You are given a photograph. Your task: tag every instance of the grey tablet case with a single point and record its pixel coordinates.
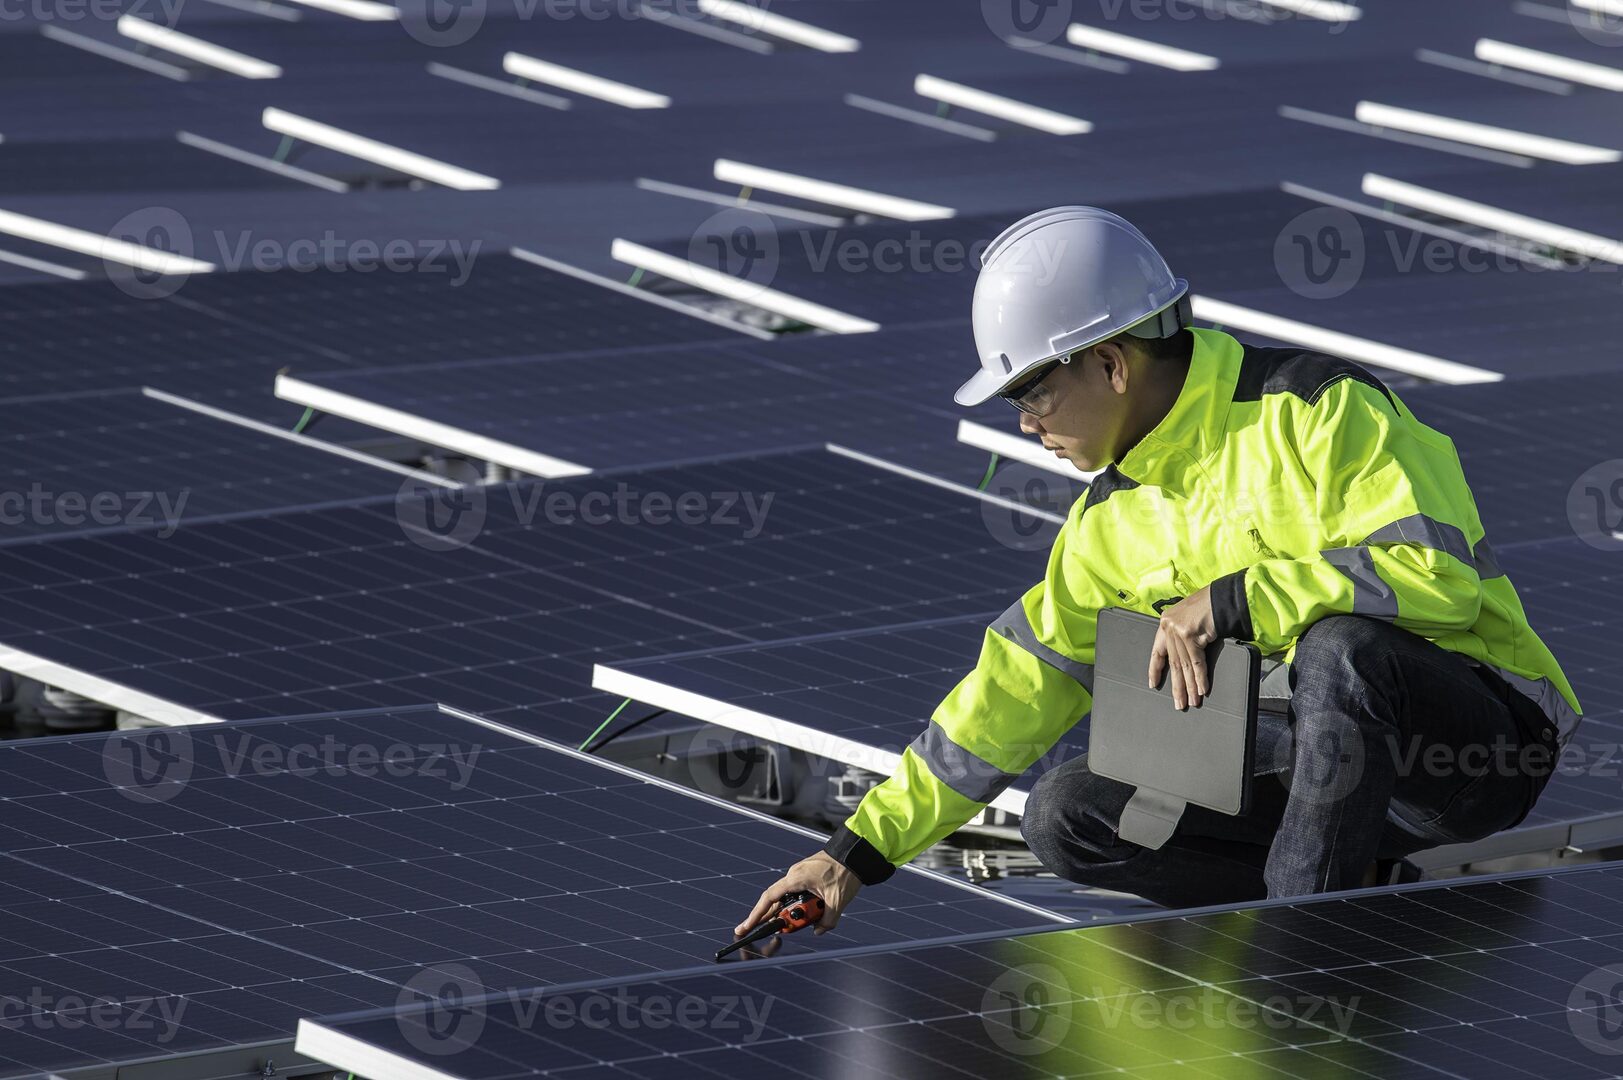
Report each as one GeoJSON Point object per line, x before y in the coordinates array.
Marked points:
{"type": "Point", "coordinates": [1137, 736]}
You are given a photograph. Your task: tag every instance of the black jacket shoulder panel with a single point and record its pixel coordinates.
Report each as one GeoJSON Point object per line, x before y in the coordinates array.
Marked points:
{"type": "Point", "coordinates": [1298, 371]}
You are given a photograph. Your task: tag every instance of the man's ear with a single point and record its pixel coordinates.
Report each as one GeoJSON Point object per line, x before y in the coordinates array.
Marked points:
{"type": "Point", "coordinates": [1113, 364]}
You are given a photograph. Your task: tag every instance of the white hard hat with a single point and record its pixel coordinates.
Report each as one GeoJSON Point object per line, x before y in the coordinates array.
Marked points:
{"type": "Point", "coordinates": [1062, 280]}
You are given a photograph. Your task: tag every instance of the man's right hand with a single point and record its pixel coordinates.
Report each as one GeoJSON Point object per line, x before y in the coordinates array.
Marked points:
{"type": "Point", "coordinates": [820, 874]}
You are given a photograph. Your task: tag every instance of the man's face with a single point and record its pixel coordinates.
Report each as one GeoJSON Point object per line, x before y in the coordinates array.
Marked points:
{"type": "Point", "coordinates": [1089, 411]}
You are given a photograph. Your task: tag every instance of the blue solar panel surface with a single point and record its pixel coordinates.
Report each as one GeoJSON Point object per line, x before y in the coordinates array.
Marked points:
{"type": "Point", "coordinates": [119, 459]}
{"type": "Point", "coordinates": [327, 609]}
{"type": "Point", "coordinates": [1497, 977]}
{"type": "Point", "coordinates": [874, 392]}
{"type": "Point", "coordinates": [227, 335]}
{"type": "Point", "coordinates": [1402, 289]}
{"type": "Point", "coordinates": [232, 879]}
{"type": "Point", "coordinates": [873, 687]}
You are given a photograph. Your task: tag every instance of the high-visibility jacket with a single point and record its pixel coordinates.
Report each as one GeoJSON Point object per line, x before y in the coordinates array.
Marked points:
{"type": "Point", "coordinates": [1296, 485]}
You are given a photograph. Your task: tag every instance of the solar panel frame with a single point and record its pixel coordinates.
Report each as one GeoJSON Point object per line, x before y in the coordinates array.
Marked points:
{"type": "Point", "coordinates": [272, 879]}
{"type": "Point", "coordinates": [951, 1006]}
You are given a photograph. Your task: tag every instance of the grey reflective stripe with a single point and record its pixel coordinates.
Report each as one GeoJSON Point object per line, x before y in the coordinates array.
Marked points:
{"type": "Point", "coordinates": [1371, 595]}
{"type": "Point", "coordinates": [975, 778]}
{"type": "Point", "coordinates": [1014, 626]}
{"type": "Point", "coordinates": [1420, 529]}
{"type": "Point", "coordinates": [1548, 699]}
{"type": "Point", "coordinates": [1439, 536]}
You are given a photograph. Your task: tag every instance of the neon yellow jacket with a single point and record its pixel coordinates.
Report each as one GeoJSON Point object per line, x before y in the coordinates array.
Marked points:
{"type": "Point", "coordinates": [1298, 486]}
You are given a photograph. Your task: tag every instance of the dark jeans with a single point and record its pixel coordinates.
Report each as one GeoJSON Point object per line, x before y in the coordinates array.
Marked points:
{"type": "Point", "coordinates": [1392, 745]}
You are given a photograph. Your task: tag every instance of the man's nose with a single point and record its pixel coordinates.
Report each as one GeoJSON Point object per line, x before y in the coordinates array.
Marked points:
{"type": "Point", "coordinates": [1030, 424]}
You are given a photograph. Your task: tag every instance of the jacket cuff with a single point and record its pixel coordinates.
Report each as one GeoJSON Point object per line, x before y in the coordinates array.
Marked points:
{"type": "Point", "coordinates": [1231, 614]}
{"type": "Point", "coordinates": [858, 856]}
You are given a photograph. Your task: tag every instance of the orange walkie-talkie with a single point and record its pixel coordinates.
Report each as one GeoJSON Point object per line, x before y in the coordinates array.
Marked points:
{"type": "Point", "coordinates": [795, 910]}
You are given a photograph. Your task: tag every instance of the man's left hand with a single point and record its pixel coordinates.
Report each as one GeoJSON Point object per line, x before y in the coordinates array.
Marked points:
{"type": "Point", "coordinates": [1180, 646]}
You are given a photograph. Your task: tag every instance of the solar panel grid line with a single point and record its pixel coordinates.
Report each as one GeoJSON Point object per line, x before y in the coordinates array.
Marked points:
{"type": "Point", "coordinates": [343, 599]}
{"type": "Point", "coordinates": [344, 873]}
{"type": "Point", "coordinates": [736, 807]}
{"type": "Point", "coordinates": [1308, 945]}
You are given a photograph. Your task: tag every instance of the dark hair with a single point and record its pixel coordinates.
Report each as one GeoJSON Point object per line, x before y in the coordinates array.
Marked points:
{"type": "Point", "coordinates": [1174, 349]}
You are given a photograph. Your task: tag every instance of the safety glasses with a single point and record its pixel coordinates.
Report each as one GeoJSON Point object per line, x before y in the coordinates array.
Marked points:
{"type": "Point", "coordinates": [1031, 396]}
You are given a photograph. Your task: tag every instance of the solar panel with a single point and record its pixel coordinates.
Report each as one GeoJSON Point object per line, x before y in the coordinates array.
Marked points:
{"type": "Point", "coordinates": [1240, 248]}
{"type": "Point", "coordinates": [227, 334]}
{"type": "Point", "coordinates": [330, 608]}
{"type": "Point", "coordinates": [857, 698]}
{"type": "Point", "coordinates": [119, 459]}
{"type": "Point", "coordinates": [860, 696]}
{"type": "Point", "coordinates": [1504, 975]}
{"type": "Point", "coordinates": [84, 166]}
{"type": "Point", "coordinates": [639, 407]}
{"type": "Point", "coordinates": [220, 882]}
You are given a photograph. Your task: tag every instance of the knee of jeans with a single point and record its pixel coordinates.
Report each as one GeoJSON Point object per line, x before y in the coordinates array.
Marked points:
{"type": "Point", "coordinates": [1072, 811]}
{"type": "Point", "coordinates": [1334, 646]}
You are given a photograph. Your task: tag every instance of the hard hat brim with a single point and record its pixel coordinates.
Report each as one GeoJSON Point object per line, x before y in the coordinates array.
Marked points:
{"type": "Point", "coordinates": [983, 386]}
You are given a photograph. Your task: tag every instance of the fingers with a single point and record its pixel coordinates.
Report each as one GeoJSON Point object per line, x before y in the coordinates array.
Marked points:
{"type": "Point", "coordinates": [1158, 658]}
{"type": "Point", "coordinates": [1182, 654]}
{"type": "Point", "coordinates": [762, 907]}
{"type": "Point", "coordinates": [830, 919]}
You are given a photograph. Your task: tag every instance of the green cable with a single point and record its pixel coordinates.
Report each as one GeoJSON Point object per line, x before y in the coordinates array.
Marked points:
{"type": "Point", "coordinates": [991, 467]}
{"type": "Point", "coordinates": [604, 724]}
{"type": "Point", "coordinates": [303, 420]}
{"type": "Point", "coordinates": [635, 277]}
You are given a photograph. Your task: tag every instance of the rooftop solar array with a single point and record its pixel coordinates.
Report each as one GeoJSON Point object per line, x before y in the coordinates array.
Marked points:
{"type": "Point", "coordinates": [868, 391]}
{"type": "Point", "coordinates": [122, 459]}
{"type": "Point", "coordinates": [456, 226]}
{"type": "Point", "coordinates": [504, 608]}
{"type": "Point", "coordinates": [1502, 976]}
{"type": "Point", "coordinates": [228, 880]}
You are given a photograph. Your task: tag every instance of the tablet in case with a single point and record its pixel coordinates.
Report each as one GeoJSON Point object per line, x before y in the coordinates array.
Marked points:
{"type": "Point", "coordinates": [1201, 755]}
